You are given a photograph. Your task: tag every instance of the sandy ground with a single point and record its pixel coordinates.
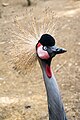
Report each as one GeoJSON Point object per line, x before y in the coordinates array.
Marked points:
{"type": "Point", "coordinates": [23, 97]}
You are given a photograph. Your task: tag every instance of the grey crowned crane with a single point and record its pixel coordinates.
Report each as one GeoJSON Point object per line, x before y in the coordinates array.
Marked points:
{"type": "Point", "coordinates": [46, 50]}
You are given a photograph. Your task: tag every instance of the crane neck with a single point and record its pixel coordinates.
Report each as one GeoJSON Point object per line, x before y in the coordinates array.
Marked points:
{"type": "Point", "coordinates": [46, 67]}
{"type": "Point", "coordinates": [55, 105]}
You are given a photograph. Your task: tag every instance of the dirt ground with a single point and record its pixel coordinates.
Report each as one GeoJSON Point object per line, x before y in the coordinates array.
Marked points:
{"type": "Point", "coordinates": [23, 97]}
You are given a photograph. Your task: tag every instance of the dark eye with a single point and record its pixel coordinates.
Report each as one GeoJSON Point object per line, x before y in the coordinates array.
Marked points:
{"type": "Point", "coordinates": [44, 48]}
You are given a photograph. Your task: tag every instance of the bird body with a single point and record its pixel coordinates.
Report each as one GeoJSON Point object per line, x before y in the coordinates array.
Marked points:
{"type": "Point", "coordinates": [55, 105]}
{"type": "Point", "coordinates": [25, 55]}
{"type": "Point", "coordinates": [44, 52]}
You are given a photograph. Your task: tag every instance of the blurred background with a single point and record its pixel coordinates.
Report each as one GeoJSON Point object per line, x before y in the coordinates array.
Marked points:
{"type": "Point", "coordinates": [22, 94]}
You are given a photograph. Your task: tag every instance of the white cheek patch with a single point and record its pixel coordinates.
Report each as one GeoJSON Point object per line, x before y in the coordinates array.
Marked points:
{"type": "Point", "coordinates": [42, 53]}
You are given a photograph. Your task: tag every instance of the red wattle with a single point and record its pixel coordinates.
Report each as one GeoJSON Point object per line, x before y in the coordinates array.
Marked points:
{"type": "Point", "coordinates": [48, 71]}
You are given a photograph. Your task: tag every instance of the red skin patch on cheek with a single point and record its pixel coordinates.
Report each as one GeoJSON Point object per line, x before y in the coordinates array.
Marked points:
{"type": "Point", "coordinates": [39, 44]}
{"type": "Point", "coordinates": [42, 53]}
{"type": "Point", "coordinates": [48, 71]}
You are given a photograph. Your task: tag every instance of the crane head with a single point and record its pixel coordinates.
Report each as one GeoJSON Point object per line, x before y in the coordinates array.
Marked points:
{"type": "Point", "coordinates": [46, 47]}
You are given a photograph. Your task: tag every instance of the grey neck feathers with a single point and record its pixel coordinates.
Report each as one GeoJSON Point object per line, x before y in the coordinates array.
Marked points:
{"type": "Point", "coordinates": [55, 105]}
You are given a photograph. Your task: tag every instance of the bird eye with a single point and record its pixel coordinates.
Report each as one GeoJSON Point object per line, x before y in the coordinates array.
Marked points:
{"type": "Point", "coordinates": [44, 48]}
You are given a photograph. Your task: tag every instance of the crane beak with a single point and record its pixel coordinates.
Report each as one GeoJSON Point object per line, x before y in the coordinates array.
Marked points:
{"type": "Point", "coordinates": [56, 50]}
{"type": "Point", "coordinates": [59, 50]}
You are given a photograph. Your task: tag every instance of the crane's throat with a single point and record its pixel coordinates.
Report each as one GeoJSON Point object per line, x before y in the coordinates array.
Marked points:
{"type": "Point", "coordinates": [48, 71]}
